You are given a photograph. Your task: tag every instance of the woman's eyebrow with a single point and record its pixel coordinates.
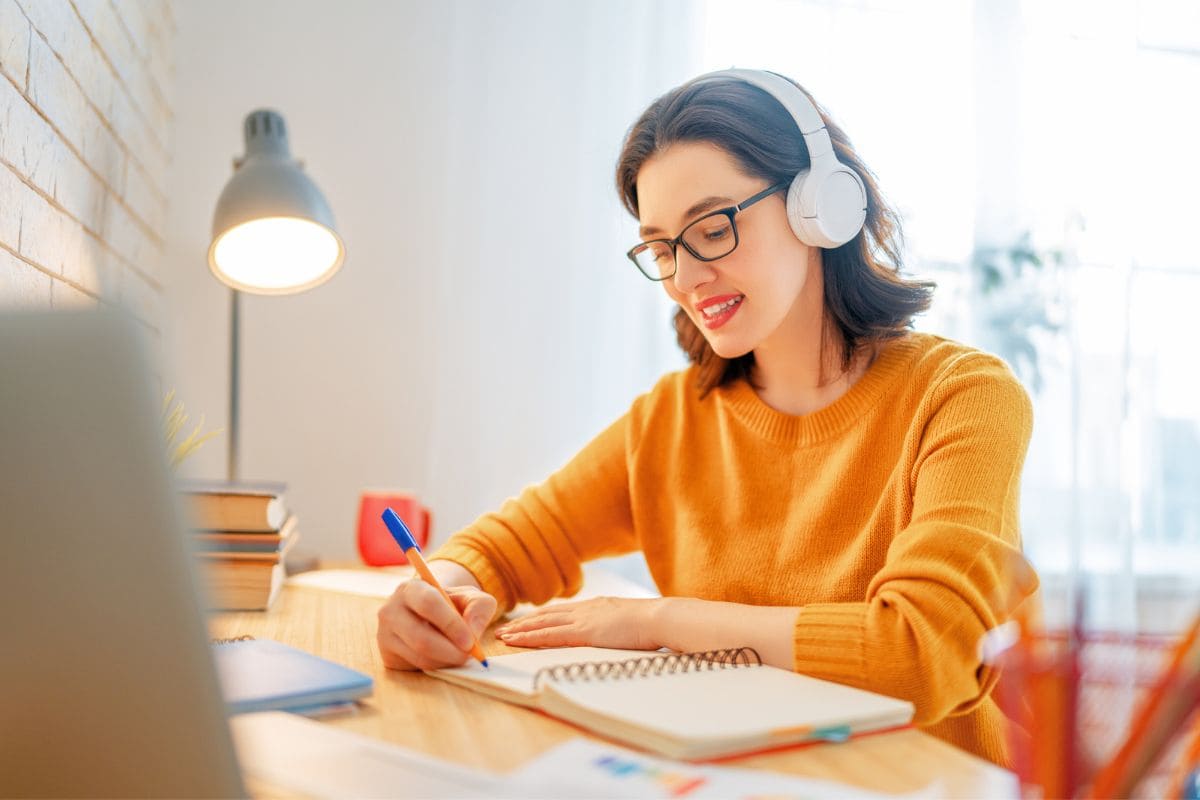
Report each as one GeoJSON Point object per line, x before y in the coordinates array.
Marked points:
{"type": "Point", "coordinates": [696, 208]}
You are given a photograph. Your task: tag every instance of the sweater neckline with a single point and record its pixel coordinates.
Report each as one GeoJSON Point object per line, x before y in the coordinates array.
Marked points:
{"type": "Point", "coordinates": [892, 361]}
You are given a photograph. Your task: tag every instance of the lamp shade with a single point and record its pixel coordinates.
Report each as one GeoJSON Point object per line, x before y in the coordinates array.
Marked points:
{"type": "Point", "coordinates": [273, 232]}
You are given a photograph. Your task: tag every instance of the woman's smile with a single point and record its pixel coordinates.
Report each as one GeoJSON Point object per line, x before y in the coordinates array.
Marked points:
{"type": "Point", "coordinates": [716, 311]}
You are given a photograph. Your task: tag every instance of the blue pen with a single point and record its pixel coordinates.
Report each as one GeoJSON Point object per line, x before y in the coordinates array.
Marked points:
{"type": "Point", "coordinates": [408, 544]}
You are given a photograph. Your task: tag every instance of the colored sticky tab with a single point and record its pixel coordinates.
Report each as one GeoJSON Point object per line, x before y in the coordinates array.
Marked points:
{"type": "Point", "coordinates": [835, 733]}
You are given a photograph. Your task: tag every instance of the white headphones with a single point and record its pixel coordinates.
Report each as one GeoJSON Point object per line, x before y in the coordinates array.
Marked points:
{"type": "Point", "coordinates": [826, 203]}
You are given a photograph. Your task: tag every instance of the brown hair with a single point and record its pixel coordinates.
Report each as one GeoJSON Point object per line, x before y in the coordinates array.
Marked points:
{"type": "Point", "coordinates": [865, 296]}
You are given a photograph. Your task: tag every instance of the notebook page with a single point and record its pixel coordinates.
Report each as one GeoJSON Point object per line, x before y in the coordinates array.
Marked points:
{"type": "Point", "coordinates": [733, 702]}
{"type": "Point", "coordinates": [379, 583]}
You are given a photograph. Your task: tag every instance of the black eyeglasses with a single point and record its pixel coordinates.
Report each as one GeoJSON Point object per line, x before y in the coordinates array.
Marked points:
{"type": "Point", "coordinates": [708, 238]}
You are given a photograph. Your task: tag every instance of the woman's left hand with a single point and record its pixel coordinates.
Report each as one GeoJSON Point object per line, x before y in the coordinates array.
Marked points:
{"type": "Point", "coordinates": [617, 622]}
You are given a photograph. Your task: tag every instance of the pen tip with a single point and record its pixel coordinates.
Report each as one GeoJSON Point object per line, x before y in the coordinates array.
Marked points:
{"type": "Point", "coordinates": [485, 664]}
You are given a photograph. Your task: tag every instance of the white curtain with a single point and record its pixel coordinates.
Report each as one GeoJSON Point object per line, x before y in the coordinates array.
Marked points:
{"type": "Point", "coordinates": [549, 332]}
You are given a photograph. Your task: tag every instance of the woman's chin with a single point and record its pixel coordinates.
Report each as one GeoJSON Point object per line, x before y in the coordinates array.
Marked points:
{"type": "Point", "coordinates": [727, 349]}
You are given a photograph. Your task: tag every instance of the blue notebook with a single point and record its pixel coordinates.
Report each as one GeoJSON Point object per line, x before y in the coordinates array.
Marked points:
{"type": "Point", "coordinates": [265, 675]}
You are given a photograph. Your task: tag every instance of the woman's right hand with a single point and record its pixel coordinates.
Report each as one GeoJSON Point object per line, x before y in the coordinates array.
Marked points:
{"type": "Point", "coordinates": [418, 629]}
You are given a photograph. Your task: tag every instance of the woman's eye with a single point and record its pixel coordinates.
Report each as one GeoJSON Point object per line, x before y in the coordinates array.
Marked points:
{"type": "Point", "coordinates": [717, 232]}
{"type": "Point", "coordinates": [656, 253]}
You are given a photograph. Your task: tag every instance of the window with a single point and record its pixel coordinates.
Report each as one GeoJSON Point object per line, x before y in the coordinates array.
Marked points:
{"type": "Point", "coordinates": [1073, 123]}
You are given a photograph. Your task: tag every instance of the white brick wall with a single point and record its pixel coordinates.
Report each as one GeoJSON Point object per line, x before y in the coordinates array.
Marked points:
{"type": "Point", "coordinates": [85, 132]}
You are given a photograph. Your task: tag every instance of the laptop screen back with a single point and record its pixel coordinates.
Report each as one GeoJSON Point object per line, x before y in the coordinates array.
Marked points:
{"type": "Point", "coordinates": [106, 680]}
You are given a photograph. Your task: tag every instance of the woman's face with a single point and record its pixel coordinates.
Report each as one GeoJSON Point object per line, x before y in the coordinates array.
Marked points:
{"type": "Point", "coordinates": [742, 299]}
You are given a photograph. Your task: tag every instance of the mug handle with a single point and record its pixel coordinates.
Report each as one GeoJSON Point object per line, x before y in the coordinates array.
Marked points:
{"type": "Point", "coordinates": [428, 525]}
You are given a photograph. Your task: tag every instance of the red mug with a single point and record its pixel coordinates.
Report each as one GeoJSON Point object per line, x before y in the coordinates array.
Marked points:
{"type": "Point", "coordinates": [375, 542]}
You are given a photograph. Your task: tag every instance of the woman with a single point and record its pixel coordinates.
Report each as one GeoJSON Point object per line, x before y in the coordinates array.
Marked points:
{"type": "Point", "coordinates": [821, 484]}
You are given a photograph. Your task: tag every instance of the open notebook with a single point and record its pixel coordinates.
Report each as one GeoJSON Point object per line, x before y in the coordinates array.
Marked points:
{"type": "Point", "coordinates": [682, 705]}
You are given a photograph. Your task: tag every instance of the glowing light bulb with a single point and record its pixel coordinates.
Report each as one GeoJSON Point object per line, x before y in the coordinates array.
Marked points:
{"type": "Point", "coordinates": [276, 255]}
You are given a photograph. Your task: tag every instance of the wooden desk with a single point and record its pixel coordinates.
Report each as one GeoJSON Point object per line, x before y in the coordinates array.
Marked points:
{"type": "Point", "coordinates": [446, 721]}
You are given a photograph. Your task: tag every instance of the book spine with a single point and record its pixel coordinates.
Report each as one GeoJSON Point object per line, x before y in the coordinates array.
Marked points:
{"type": "Point", "coordinates": [236, 513]}
{"type": "Point", "coordinates": [238, 586]}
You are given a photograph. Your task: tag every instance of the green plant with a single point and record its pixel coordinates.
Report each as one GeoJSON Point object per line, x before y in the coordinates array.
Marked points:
{"type": "Point", "coordinates": [174, 417]}
{"type": "Point", "coordinates": [1016, 302]}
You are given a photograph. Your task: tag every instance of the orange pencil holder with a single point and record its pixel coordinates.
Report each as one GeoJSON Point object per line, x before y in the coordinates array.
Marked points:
{"type": "Point", "coordinates": [1072, 697]}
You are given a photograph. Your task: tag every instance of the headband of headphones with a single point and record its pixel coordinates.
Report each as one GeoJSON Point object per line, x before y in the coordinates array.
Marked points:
{"type": "Point", "coordinates": [812, 127]}
{"type": "Point", "coordinates": [826, 203]}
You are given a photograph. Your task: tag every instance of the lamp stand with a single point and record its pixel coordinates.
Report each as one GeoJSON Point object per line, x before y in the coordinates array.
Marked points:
{"type": "Point", "coordinates": [234, 331]}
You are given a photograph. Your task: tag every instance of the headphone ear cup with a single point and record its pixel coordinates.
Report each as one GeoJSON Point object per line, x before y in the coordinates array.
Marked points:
{"type": "Point", "coordinates": [827, 208]}
{"type": "Point", "coordinates": [795, 209]}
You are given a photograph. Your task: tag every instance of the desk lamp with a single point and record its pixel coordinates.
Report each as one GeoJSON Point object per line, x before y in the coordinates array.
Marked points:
{"type": "Point", "coordinates": [272, 233]}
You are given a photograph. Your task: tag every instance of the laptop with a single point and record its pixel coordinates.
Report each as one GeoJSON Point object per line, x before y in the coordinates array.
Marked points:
{"type": "Point", "coordinates": [107, 685]}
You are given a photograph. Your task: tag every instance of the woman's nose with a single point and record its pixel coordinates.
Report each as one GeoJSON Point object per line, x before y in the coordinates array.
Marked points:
{"type": "Point", "coordinates": [690, 272]}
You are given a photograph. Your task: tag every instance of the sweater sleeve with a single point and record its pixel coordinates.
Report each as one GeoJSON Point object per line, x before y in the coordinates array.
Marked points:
{"type": "Point", "coordinates": [532, 549]}
{"type": "Point", "coordinates": [955, 571]}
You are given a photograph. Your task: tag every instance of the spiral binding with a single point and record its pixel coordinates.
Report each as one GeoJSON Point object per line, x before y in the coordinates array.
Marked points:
{"type": "Point", "coordinates": [232, 639]}
{"type": "Point", "coordinates": [657, 664]}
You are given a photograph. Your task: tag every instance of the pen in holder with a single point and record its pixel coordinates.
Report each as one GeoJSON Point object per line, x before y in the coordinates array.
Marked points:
{"type": "Point", "coordinates": [1096, 713]}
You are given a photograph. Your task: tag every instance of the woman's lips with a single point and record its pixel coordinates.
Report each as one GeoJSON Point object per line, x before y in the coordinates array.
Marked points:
{"type": "Point", "coordinates": [725, 307]}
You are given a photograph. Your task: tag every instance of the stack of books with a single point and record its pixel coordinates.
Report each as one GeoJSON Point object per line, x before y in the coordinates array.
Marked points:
{"type": "Point", "coordinates": [242, 532]}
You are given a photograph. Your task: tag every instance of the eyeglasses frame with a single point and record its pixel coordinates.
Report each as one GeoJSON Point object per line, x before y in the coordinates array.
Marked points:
{"type": "Point", "coordinates": [728, 211]}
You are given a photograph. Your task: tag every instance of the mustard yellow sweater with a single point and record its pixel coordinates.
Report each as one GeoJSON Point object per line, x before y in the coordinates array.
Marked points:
{"type": "Point", "coordinates": [888, 518]}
